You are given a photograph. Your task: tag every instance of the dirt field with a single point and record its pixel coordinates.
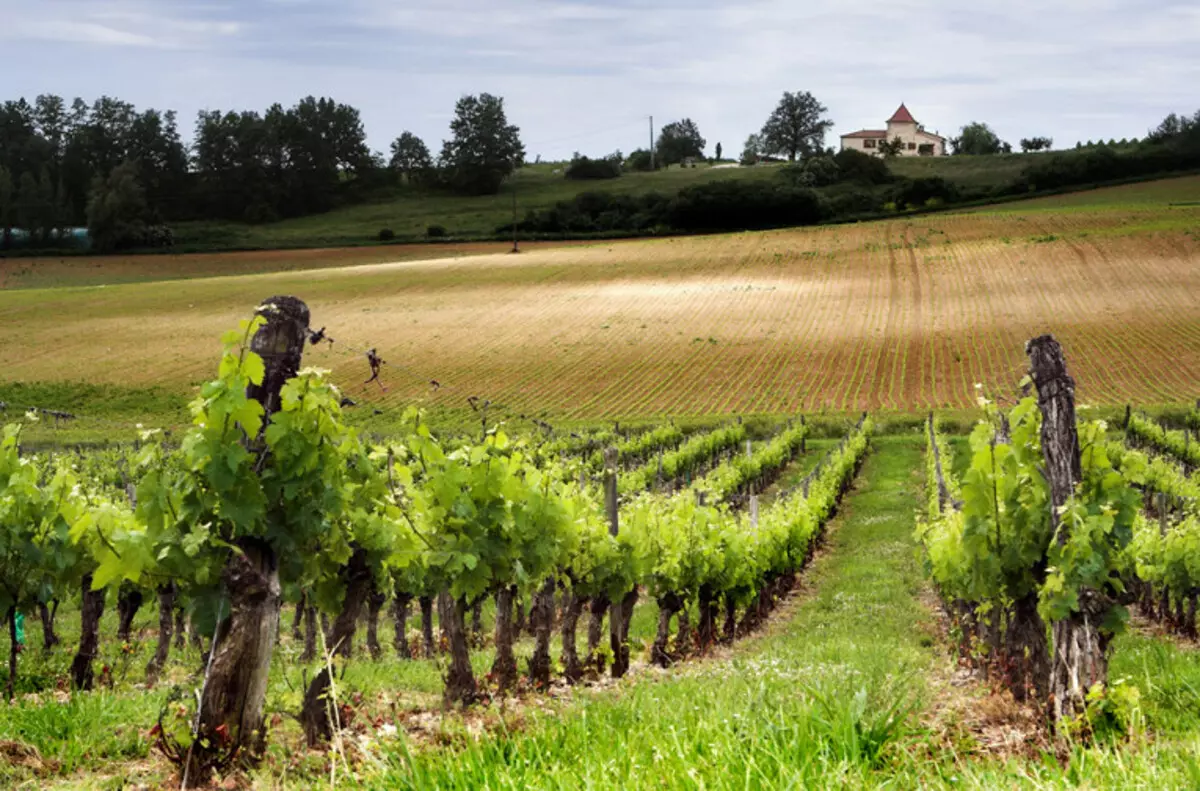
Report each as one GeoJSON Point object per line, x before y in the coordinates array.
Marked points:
{"type": "Point", "coordinates": [902, 315]}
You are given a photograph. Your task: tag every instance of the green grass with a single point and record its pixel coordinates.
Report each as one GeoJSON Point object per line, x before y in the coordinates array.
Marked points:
{"type": "Point", "coordinates": [411, 212]}
{"type": "Point", "coordinates": [969, 172]}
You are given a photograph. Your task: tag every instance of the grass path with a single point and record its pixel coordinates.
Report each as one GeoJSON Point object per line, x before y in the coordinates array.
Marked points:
{"type": "Point", "coordinates": [814, 702]}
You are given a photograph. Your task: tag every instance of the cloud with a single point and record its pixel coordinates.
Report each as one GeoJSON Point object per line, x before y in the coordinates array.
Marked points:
{"type": "Point", "coordinates": [587, 74]}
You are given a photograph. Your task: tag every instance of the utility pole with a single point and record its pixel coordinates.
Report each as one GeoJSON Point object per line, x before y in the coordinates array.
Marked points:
{"type": "Point", "coordinates": [515, 249]}
{"type": "Point", "coordinates": [652, 142]}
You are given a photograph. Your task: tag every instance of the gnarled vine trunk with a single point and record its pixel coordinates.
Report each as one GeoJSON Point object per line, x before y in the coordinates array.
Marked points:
{"type": "Point", "coordinates": [50, 638]}
{"type": "Point", "coordinates": [668, 605]}
{"type": "Point", "coordinates": [730, 629]}
{"type": "Point", "coordinates": [310, 634]}
{"type": "Point", "coordinates": [477, 621]}
{"type": "Point", "coordinates": [400, 616]}
{"type": "Point", "coordinates": [460, 680]}
{"type": "Point", "coordinates": [375, 602]}
{"type": "Point", "coordinates": [572, 607]}
{"type": "Point", "coordinates": [1079, 657]}
{"type": "Point", "coordinates": [92, 608]}
{"type": "Point", "coordinates": [318, 717]}
{"type": "Point", "coordinates": [599, 606]}
{"type": "Point", "coordinates": [542, 618]}
{"type": "Point", "coordinates": [683, 639]}
{"type": "Point", "coordinates": [1026, 649]}
{"type": "Point", "coordinates": [298, 621]}
{"type": "Point", "coordinates": [232, 705]}
{"type": "Point", "coordinates": [426, 604]}
{"type": "Point", "coordinates": [618, 625]}
{"type": "Point", "coordinates": [504, 666]}
{"type": "Point", "coordinates": [129, 601]}
{"type": "Point", "coordinates": [166, 617]}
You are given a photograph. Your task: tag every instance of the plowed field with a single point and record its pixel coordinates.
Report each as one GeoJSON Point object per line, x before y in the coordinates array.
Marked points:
{"type": "Point", "coordinates": [904, 314]}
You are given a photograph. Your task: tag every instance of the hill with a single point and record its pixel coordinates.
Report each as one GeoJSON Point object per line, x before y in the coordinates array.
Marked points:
{"type": "Point", "coordinates": [905, 314]}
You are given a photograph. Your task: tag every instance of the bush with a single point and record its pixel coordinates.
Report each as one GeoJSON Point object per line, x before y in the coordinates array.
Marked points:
{"type": "Point", "coordinates": [917, 193]}
{"type": "Point", "coordinates": [744, 205]}
{"type": "Point", "coordinates": [387, 235]}
{"type": "Point", "coordinates": [639, 161]}
{"type": "Point", "coordinates": [812, 172]}
{"type": "Point", "coordinates": [583, 169]}
{"type": "Point", "coordinates": [435, 231]}
{"type": "Point", "coordinates": [862, 168]}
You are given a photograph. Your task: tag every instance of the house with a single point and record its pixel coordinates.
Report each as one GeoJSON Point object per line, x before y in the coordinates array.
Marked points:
{"type": "Point", "coordinates": [915, 141]}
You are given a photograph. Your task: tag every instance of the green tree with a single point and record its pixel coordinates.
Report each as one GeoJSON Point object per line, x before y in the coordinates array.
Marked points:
{"type": "Point", "coordinates": [1036, 144]}
{"type": "Point", "coordinates": [35, 206]}
{"type": "Point", "coordinates": [640, 160]}
{"type": "Point", "coordinates": [797, 127]}
{"type": "Point", "coordinates": [679, 140]}
{"type": "Point", "coordinates": [117, 210]}
{"type": "Point", "coordinates": [485, 148]}
{"type": "Point", "coordinates": [752, 150]}
{"type": "Point", "coordinates": [977, 139]}
{"type": "Point", "coordinates": [410, 156]}
{"type": "Point", "coordinates": [7, 208]}
{"type": "Point", "coordinates": [717, 153]}
{"type": "Point", "coordinates": [890, 149]}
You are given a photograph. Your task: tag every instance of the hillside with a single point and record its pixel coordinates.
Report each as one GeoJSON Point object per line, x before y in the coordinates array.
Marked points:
{"type": "Point", "coordinates": [410, 212]}
{"type": "Point", "coordinates": [905, 314]}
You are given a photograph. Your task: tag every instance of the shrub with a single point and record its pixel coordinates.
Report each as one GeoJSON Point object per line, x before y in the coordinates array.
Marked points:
{"type": "Point", "coordinates": [917, 193]}
{"type": "Point", "coordinates": [639, 160]}
{"type": "Point", "coordinates": [387, 235]}
{"type": "Point", "coordinates": [435, 231]}
{"type": "Point", "coordinates": [862, 168]}
{"type": "Point", "coordinates": [583, 169]}
{"type": "Point", "coordinates": [744, 205]}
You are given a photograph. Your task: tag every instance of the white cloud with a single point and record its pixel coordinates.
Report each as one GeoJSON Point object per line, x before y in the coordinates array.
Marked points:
{"type": "Point", "coordinates": [586, 74]}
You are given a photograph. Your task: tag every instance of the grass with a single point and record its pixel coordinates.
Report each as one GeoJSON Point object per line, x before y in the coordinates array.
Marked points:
{"type": "Point", "coordinates": [844, 688]}
{"type": "Point", "coordinates": [411, 212]}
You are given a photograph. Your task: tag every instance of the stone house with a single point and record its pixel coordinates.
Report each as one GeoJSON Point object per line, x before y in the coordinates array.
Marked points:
{"type": "Point", "coordinates": [915, 141]}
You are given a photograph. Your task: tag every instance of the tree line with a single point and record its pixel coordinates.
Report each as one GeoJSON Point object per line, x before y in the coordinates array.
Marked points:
{"type": "Point", "coordinates": [124, 172]}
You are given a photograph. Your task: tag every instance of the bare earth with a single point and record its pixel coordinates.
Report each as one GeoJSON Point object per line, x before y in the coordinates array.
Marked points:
{"type": "Point", "coordinates": [903, 314]}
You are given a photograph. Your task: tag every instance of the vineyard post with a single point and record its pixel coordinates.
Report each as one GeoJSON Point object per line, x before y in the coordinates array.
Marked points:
{"type": "Point", "coordinates": [232, 705]}
{"type": "Point", "coordinates": [1078, 660]}
{"type": "Point", "coordinates": [804, 436]}
{"type": "Point", "coordinates": [749, 452]}
{"type": "Point", "coordinates": [619, 611]}
{"type": "Point", "coordinates": [754, 511]}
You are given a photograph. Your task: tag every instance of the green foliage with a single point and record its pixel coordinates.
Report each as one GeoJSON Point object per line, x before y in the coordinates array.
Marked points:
{"type": "Point", "coordinates": [977, 139]}
{"type": "Point", "coordinates": [737, 475]}
{"type": "Point", "coordinates": [582, 168]}
{"type": "Point", "coordinates": [685, 460]}
{"type": "Point", "coordinates": [117, 210]}
{"type": "Point", "coordinates": [796, 128]}
{"type": "Point", "coordinates": [1001, 544]}
{"type": "Point", "coordinates": [484, 149]}
{"type": "Point", "coordinates": [640, 161]}
{"type": "Point", "coordinates": [679, 140]}
{"type": "Point", "coordinates": [410, 156]}
{"type": "Point", "coordinates": [1175, 443]}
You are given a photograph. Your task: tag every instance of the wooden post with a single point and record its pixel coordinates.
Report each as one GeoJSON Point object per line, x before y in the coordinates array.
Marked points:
{"type": "Point", "coordinates": [235, 692]}
{"type": "Point", "coordinates": [754, 511]}
{"type": "Point", "coordinates": [1078, 659]}
{"type": "Point", "coordinates": [749, 451]}
{"type": "Point", "coordinates": [611, 460]}
{"type": "Point", "coordinates": [1162, 513]}
{"type": "Point", "coordinates": [804, 439]}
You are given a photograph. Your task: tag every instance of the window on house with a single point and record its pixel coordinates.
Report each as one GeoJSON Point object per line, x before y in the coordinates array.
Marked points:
{"type": "Point", "coordinates": [925, 149]}
{"type": "Point", "coordinates": [869, 143]}
{"type": "Point", "coordinates": [912, 146]}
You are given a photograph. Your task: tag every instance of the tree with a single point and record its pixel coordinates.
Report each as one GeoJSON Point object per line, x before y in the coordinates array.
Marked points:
{"type": "Point", "coordinates": [797, 127]}
{"type": "Point", "coordinates": [1029, 144]}
{"type": "Point", "coordinates": [117, 210]}
{"type": "Point", "coordinates": [410, 156]}
{"type": "Point", "coordinates": [890, 149]}
{"type": "Point", "coordinates": [977, 139]}
{"type": "Point", "coordinates": [6, 208]}
{"type": "Point", "coordinates": [752, 150]}
{"type": "Point", "coordinates": [485, 148]}
{"type": "Point", "coordinates": [640, 160]}
{"type": "Point", "coordinates": [678, 141]}
{"type": "Point", "coordinates": [717, 156]}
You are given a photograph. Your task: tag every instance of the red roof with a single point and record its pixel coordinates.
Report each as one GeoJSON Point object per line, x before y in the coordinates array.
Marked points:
{"type": "Point", "coordinates": [868, 133]}
{"type": "Point", "coordinates": [902, 116]}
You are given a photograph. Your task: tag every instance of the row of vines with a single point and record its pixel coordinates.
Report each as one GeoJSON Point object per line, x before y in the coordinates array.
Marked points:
{"type": "Point", "coordinates": [270, 496]}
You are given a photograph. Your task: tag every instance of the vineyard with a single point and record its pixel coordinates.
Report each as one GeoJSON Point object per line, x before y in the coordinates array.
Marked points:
{"type": "Point", "coordinates": [550, 547]}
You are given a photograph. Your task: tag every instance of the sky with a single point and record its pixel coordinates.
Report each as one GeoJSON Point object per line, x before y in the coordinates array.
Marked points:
{"type": "Point", "coordinates": [586, 76]}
